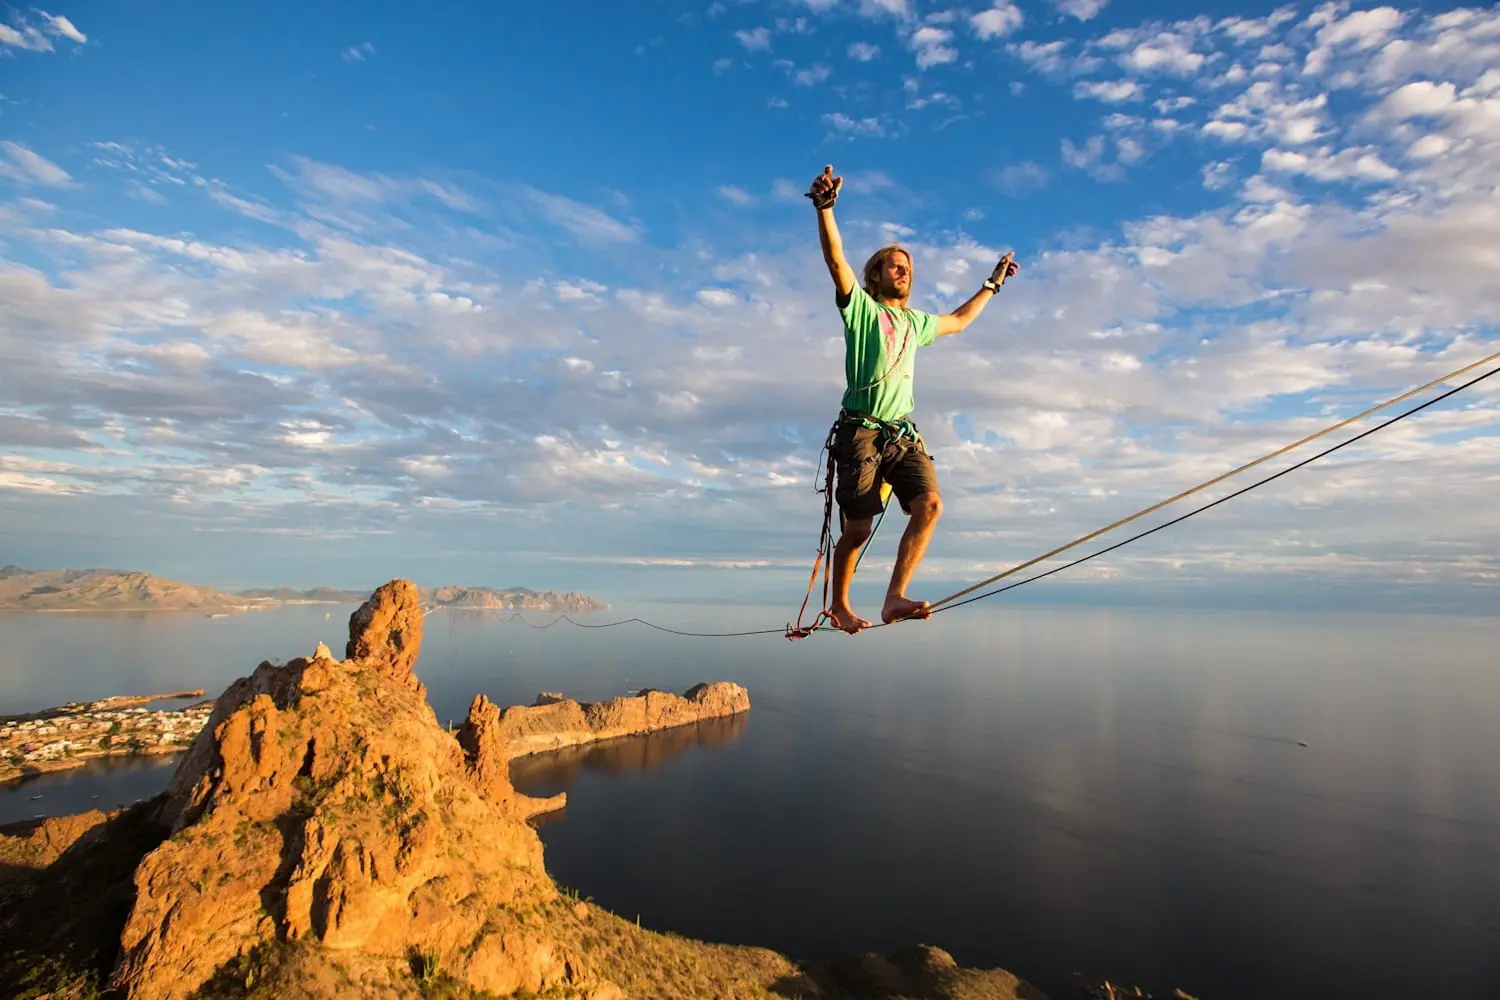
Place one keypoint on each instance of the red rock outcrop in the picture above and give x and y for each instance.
(385, 633)
(325, 803)
(555, 722)
(487, 752)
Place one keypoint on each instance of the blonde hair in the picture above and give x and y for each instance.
(877, 262)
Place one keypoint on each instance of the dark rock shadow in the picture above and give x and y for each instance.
(61, 924)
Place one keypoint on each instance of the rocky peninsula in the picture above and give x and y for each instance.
(325, 836)
(555, 722)
(70, 735)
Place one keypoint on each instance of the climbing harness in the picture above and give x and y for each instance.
(953, 601)
(890, 434)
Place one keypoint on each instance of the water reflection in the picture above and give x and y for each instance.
(106, 783)
(555, 771)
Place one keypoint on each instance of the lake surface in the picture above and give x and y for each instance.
(1118, 793)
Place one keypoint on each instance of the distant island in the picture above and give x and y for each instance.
(130, 590)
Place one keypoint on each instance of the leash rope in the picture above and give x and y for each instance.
(1220, 478)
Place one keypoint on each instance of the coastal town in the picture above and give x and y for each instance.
(72, 734)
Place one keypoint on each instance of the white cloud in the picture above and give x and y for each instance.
(26, 37)
(1421, 99)
(1108, 91)
(931, 46)
(1083, 10)
(1129, 150)
(1000, 20)
(1429, 146)
(871, 127)
(59, 25)
(756, 40)
(717, 298)
(885, 8)
(1051, 58)
(811, 76)
(1090, 158)
(1487, 84)
(584, 221)
(147, 194)
(1362, 29)
(1357, 32)
(1167, 52)
(736, 195)
(357, 53)
(1217, 175)
(22, 35)
(863, 51)
(1018, 179)
(1326, 165)
(27, 167)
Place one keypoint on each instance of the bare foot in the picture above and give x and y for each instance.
(898, 607)
(846, 619)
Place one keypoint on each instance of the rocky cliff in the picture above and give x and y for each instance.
(555, 722)
(325, 836)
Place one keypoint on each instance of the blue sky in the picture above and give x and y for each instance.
(521, 295)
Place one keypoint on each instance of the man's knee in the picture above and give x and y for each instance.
(927, 507)
(857, 530)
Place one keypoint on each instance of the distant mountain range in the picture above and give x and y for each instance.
(125, 590)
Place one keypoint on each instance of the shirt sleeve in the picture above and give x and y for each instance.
(927, 325)
(859, 311)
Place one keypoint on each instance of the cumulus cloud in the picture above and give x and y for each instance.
(932, 46)
(900, 9)
(1000, 20)
(1083, 10)
(1018, 179)
(863, 51)
(1108, 91)
(871, 127)
(811, 76)
(755, 40)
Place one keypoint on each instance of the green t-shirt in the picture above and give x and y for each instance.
(880, 346)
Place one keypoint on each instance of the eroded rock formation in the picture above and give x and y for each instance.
(555, 722)
(325, 803)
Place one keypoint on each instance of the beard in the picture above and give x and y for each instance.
(890, 290)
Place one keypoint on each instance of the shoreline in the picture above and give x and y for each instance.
(72, 735)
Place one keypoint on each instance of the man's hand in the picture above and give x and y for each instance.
(825, 189)
(960, 318)
(1005, 269)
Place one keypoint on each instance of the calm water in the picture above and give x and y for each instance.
(1117, 793)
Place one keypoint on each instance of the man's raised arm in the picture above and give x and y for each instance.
(967, 313)
(824, 192)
